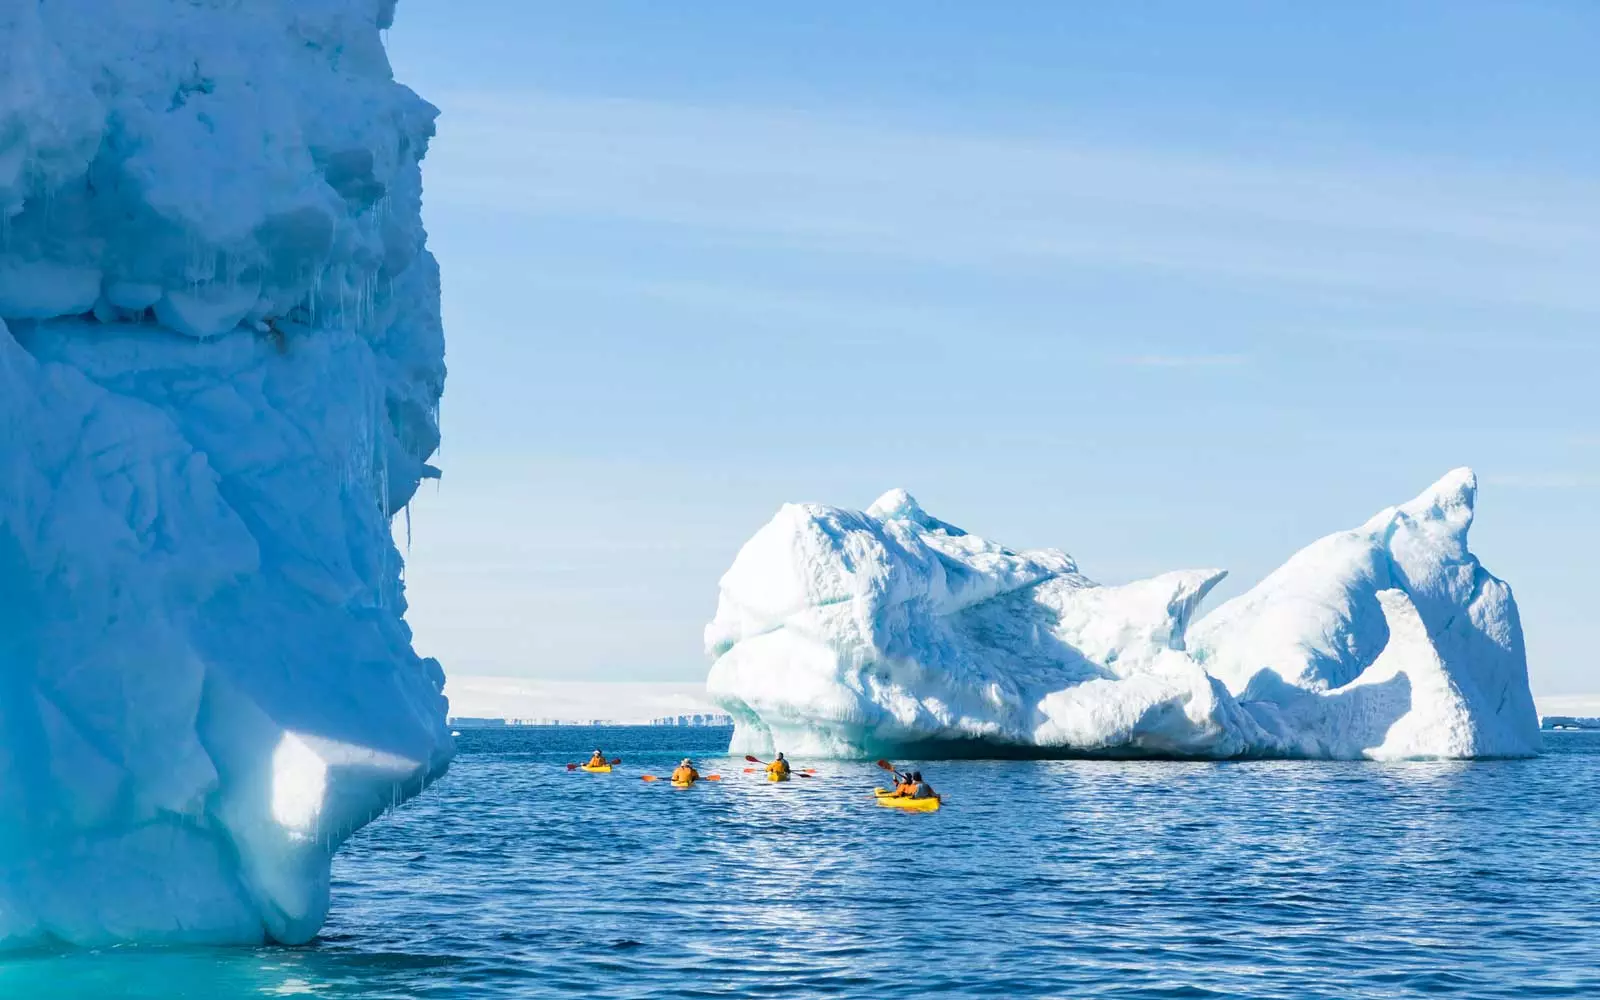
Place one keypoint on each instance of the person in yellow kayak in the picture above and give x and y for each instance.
(903, 784)
(598, 760)
(778, 770)
(685, 773)
(918, 789)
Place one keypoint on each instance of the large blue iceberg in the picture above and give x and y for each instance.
(220, 366)
(855, 633)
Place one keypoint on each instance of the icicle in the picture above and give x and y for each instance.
(314, 298)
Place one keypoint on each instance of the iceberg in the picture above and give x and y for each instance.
(1569, 722)
(220, 365)
(887, 631)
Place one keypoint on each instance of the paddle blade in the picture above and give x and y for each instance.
(572, 767)
(809, 770)
(804, 774)
(712, 777)
(886, 765)
(749, 770)
(648, 777)
(754, 760)
(615, 761)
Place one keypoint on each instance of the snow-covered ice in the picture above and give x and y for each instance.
(220, 366)
(855, 633)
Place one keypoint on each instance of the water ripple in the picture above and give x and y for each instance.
(1100, 879)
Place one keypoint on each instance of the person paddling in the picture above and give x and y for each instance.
(920, 789)
(598, 760)
(685, 773)
(903, 784)
(778, 770)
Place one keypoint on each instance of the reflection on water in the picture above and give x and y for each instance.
(1062, 878)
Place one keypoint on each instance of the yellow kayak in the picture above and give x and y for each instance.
(682, 784)
(777, 777)
(602, 769)
(888, 798)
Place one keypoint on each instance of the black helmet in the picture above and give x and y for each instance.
(916, 775)
(780, 755)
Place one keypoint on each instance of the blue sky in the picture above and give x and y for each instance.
(1163, 284)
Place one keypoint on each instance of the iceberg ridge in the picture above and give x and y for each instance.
(862, 633)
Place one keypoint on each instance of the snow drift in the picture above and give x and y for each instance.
(220, 364)
(855, 633)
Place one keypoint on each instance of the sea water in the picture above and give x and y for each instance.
(514, 877)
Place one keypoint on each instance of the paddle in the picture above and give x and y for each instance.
(703, 777)
(891, 769)
(809, 772)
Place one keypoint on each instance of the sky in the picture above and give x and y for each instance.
(1164, 285)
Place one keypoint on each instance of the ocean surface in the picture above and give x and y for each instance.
(514, 878)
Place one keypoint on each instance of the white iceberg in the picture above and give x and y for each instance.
(220, 365)
(851, 633)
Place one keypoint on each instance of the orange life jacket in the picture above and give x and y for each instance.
(779, 767)
(685, 774)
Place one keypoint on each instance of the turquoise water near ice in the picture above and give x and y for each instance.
(1150, 879)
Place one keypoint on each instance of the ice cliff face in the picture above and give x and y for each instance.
(220, 364)
(857, 633)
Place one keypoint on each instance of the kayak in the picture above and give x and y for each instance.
(777, 777)
(888, 798)
(602, 769)
(682, 784)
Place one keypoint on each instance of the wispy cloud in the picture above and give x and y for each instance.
(771, 178)
(540, 698)
(1545, 481)
(1186, 360)
(1568, 704)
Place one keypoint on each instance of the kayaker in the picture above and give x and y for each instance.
(685, 773)
(903, 785)
(779, 768)
(921, 789)
(598, 760)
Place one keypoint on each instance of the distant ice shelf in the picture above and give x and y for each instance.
(1569, 722)
(220, 366)
(496, 722)
(857, 633)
